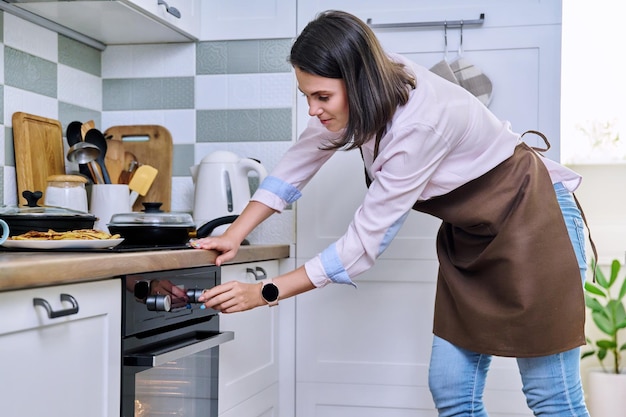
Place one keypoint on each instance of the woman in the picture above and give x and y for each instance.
(510, 247)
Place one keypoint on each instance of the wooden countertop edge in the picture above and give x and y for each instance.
(21, 270)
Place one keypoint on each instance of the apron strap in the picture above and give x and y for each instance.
(591, 242)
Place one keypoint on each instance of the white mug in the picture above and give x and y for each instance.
(107, 200)
(5, 231)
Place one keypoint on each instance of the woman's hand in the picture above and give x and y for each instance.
(228, 247)
(232, 297)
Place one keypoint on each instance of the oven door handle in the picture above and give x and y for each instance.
(177, 350)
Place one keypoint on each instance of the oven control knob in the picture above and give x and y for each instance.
(194, 294)
(159, 302)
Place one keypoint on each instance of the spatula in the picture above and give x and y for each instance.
(140, 183)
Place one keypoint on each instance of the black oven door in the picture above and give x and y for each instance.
(177, 377)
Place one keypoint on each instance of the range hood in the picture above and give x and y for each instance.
(112, 22)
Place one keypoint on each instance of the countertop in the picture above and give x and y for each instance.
(20, 270)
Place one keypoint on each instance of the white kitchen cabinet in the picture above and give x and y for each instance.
(121, 21)
(365, 351)
(244, 19)
(68, 366)
(248, 370)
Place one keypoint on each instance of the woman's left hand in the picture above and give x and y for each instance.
(232, 297)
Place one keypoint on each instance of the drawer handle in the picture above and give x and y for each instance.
(259, 273)
(60, 313)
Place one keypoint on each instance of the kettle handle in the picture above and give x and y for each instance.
(251, 164)
(206, 229)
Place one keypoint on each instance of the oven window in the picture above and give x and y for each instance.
(182, 387)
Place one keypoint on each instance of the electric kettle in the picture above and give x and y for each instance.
(222, 189)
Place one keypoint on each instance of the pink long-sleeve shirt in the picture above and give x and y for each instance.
(441, 139)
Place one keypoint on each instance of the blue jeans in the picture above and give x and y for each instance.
(551, 384)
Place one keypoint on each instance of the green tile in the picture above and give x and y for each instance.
(243, 57)
(182, 160)
(117, 94)
(9, 149)
(211, 57)
(274, 55)
(1, 26)
(80, 56)
(28, 72)
(71, 112)
(275, 125)
(211, 125)
(148, 93)
(248, 125)
(243, 125)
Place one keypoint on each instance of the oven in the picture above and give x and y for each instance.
(170, 346)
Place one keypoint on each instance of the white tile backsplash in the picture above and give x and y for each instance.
(211, 92)
(79, 88)
(16, 100)
(19, 34)
(277, 90)
(146, 61)
(244, 91)
(180, 123)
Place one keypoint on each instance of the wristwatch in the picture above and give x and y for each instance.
(269, 292)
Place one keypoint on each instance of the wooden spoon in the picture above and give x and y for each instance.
(86, 127)
(114, 159)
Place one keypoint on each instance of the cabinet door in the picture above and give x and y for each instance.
(249, 363)
(244, 19)
(67, 366)
(189, 11)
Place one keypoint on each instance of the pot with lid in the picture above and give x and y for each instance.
(153, 227)
(43, 218)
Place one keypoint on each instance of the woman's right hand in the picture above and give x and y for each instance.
(225, 245)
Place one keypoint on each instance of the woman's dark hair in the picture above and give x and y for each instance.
(339, 45)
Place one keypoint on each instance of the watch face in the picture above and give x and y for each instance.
(270, 292)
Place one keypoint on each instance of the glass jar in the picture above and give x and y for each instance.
(67, 191)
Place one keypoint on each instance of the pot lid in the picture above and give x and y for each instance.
(152, 215)
(35, 210)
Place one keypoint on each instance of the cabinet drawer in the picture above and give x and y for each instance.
(18, 311)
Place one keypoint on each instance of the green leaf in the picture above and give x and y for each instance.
(601, 354)
(623, 347)
(603, 322)
(593, 304)
(600, 278)
(594, 289)
(606, 344)
(622, 291)
(615, 267)
(587, 354)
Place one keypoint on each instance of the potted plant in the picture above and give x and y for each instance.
(607, 385)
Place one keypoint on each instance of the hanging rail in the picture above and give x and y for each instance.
(447, 23)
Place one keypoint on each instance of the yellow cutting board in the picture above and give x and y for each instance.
(39, 152)
(152, 145)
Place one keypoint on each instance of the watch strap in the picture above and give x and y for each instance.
(274, 300)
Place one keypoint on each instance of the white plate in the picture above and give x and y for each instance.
(62, 244)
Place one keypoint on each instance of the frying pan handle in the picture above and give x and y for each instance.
(206, 229)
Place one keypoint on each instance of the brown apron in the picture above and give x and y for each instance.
(508, 282)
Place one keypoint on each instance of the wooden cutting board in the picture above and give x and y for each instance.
(152, 145)
(39, 152)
